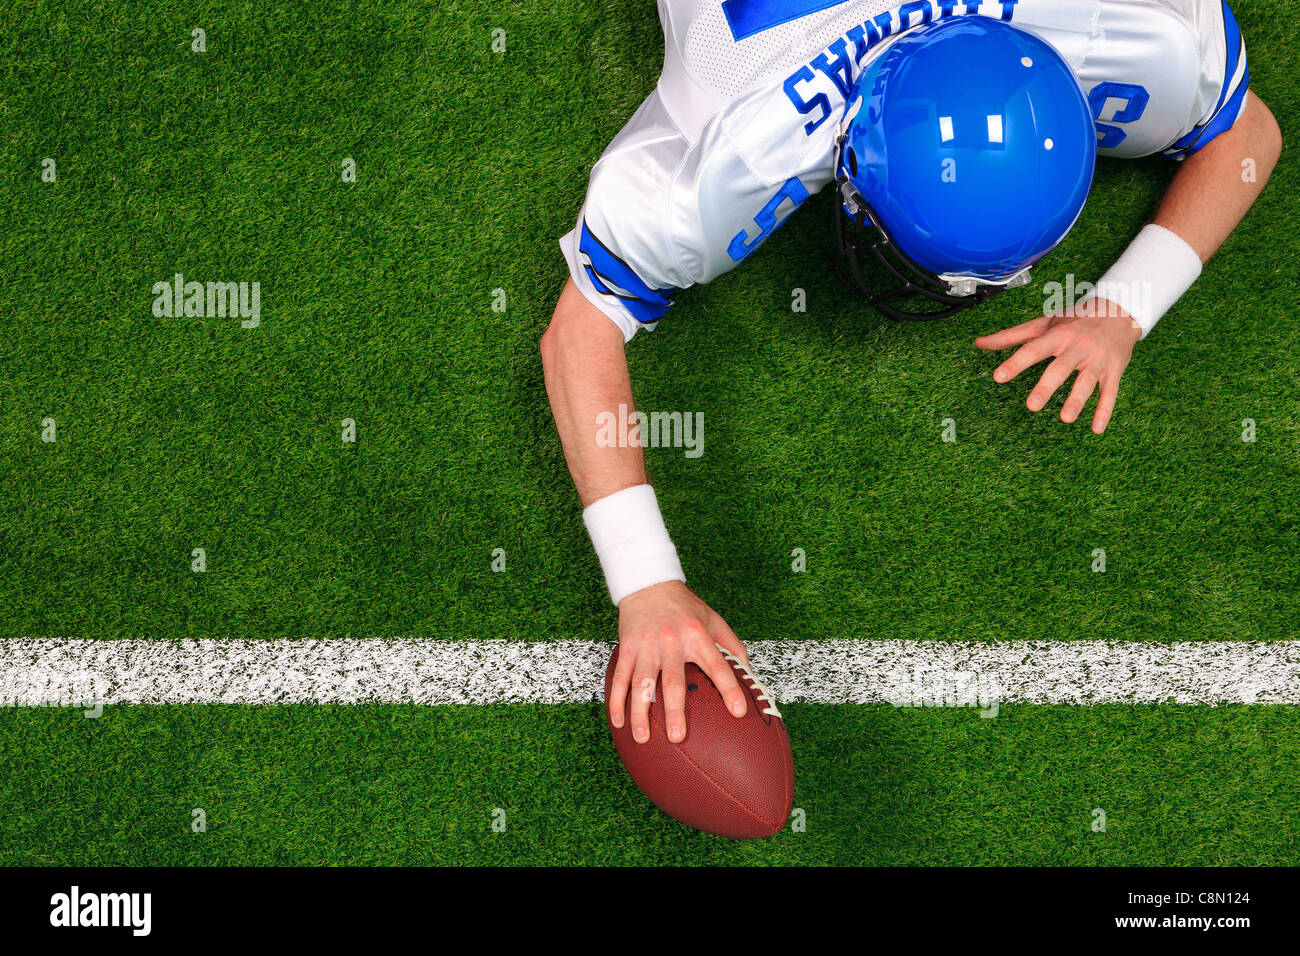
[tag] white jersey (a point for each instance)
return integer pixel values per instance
(740, 128)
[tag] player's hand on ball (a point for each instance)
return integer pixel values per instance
(1094, 339)
(660, 629)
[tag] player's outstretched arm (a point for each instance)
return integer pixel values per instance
(661, 623)
(1216, 187)
(1209, 196)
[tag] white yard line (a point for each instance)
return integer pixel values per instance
(61, 672)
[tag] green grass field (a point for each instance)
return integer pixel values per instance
(823, 433)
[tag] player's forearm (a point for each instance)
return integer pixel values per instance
(586, 372)
(1216, 187)
(587, 377)
(1211, 194)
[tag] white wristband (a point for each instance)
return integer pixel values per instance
(631, 541)
(1152, 274)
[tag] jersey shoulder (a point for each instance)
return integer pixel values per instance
(1162, 76)
(1223, 78)
(620, 252)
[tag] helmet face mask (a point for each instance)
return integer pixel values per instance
(858, 230)
(949, 186)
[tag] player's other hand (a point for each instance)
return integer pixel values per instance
(1094, 339)
(660, 628)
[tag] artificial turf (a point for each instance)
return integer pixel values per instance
(823, 432)
(877, 786)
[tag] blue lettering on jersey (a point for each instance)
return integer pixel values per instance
(917, 6)
(742, 246)
(833, 62)
(885, 24)
(838, 69)
(820, 102)
(1135, 100)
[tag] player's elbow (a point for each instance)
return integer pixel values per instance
(1272, 136)
(553, 341)
(1267, 133)
(578, 329)
(549, 344)
(560, 340)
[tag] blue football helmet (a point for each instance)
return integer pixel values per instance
(965, 155)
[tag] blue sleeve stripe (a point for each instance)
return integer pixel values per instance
(1234, 43)
(1229, 106)
(606, 286)
(1221, 123)
(614, 277)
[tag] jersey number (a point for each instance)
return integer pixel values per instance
(793, 190)
(1135, 100)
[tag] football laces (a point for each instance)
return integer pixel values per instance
(761, 693)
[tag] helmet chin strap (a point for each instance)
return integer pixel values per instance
(969, 285)
(953, 294)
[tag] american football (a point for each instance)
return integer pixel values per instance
(733, 777)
